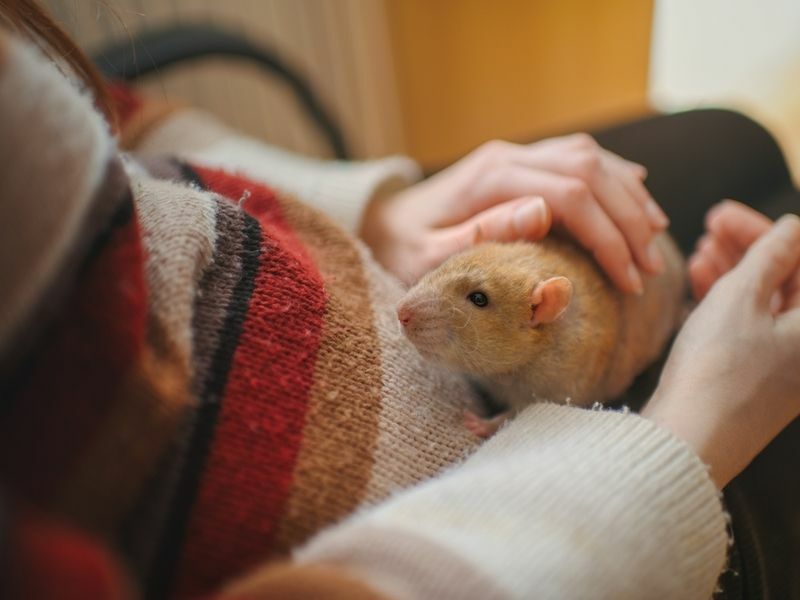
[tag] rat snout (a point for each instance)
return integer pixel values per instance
(404, 315)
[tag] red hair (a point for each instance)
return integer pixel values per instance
(28, 18)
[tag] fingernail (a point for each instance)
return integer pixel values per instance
(636, 280)
(533, 211)
(656, 214)
(654, 257)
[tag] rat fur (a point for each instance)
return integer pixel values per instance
(554, 328)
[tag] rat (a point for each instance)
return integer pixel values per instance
(539, 321)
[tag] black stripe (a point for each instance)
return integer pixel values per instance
(172, 539)
(189, 175)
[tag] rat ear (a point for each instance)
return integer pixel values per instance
(550, 299)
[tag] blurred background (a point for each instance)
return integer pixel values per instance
(433, 79)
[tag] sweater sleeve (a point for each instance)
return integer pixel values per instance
(562, 503)
(340, 189)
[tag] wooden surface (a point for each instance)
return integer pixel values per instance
(472, 70)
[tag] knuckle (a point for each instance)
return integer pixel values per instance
(493, 151)
(576, 193)
(588, 165)
(583, 140)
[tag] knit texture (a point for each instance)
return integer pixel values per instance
(492, 532)
(339, 189)
(220, 381)
(205, 373)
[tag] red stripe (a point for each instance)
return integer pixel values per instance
(248, 475)
(125, 101)
(76, 371)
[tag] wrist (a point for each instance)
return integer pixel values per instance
(693, 424)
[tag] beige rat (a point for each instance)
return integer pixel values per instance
(540, 322)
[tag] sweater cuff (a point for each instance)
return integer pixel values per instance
(563, 502)
(340, 189)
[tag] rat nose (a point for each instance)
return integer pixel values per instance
(404, 315)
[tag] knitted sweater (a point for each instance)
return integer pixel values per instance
(204, 392)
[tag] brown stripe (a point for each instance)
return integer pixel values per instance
(215, 291)
(335, 461)
(285, 581)
(141, 423)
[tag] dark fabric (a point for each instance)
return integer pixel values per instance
(694, 160)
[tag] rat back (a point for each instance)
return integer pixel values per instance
(590, 353)
(648, 321)
(605, 339)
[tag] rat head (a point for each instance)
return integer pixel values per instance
(483, 311)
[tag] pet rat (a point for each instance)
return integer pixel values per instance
(539, 321)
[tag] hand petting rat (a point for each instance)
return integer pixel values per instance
(504, 192)
(538, 321)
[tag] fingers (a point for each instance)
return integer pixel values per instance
(632, 175)
(772, 260)
(527, 218)
(709, 262)
(613, 181)
(579, 155)
(702, 275)
(736, 225)
(575, 207)
(581, 215)
(628, 215)
(732, 227)
(597, 196)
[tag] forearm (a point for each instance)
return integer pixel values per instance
(561, 503)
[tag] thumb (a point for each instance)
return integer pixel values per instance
(772, 259)
(527, 218)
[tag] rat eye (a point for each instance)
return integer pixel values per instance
(479, 299)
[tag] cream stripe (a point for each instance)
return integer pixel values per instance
(179, 235)
(53, 156)
(402, 565)
(421, 422)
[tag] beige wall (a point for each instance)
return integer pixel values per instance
(341, 45)
(431, 78)
(732, 53)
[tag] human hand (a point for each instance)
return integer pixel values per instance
(731, 227)
(495, 193)
(731, 382)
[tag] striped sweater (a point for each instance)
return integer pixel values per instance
(204, 392)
